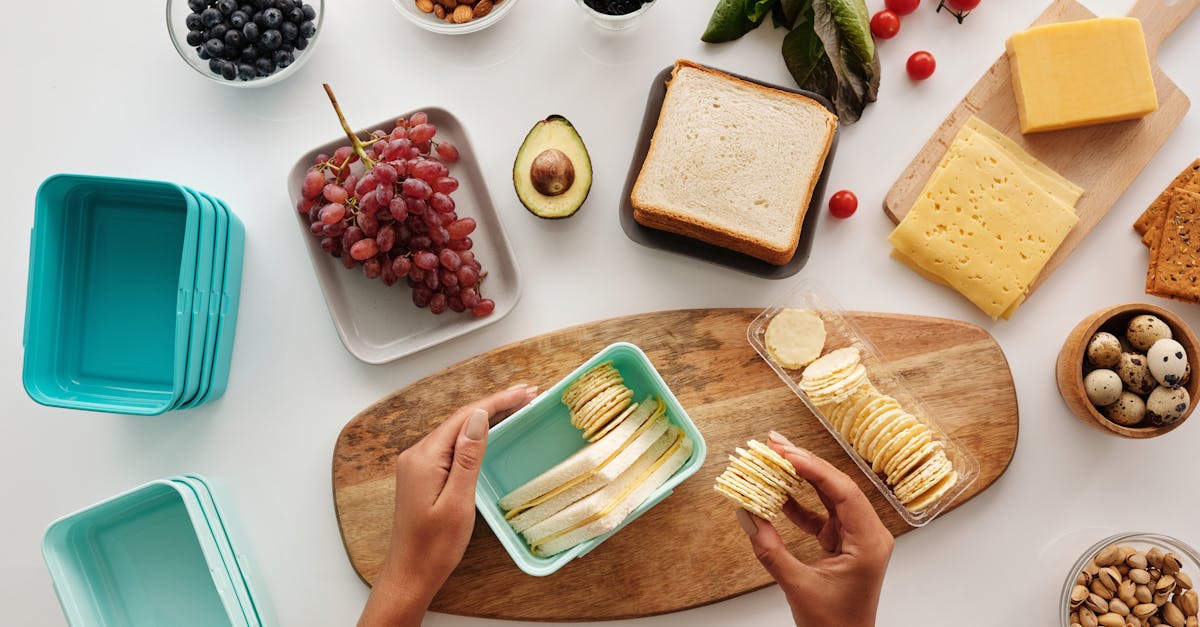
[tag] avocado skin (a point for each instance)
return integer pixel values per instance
(553, 132)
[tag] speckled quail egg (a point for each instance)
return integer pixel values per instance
(1167, 405)
(1135, 373)
(1103, 387)
(1145, 330)
(1168, 362)
(1104, 350)
(1129, 410)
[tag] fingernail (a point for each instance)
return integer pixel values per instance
(747, 523)
(531, 390)
(477, 425)
(796, 451)
(778, 438)
(516, 387)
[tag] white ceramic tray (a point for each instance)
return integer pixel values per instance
(378, 323)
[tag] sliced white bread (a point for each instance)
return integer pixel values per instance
(555, 500)
(606, 509)
(733, 163)
(582, 461)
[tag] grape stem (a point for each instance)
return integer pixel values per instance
(354, 141)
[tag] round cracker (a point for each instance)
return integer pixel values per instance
(750, 492)
(895, 442)
(925, 477)
(917, 442)
(875, 443)
(914, 461)
(856, 425)
(572, 390)
(755, 473)
(753, 508)
(843, 413)
(604, 407)
(773, 459)
(795, 337)
(784, 482)
(612, 424)
(839, 390)
(874, 425)
(594, 388)
(931, 496)
(831, 365)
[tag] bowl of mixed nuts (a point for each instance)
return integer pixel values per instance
(1127, 370)
(1133, 580)
(454, 17)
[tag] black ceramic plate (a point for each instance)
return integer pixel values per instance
(694, 248)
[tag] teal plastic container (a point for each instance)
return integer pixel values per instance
(212, 308)
(541, 435)
(228, 308)
(112, 271)
(201, 293)
(144, 557)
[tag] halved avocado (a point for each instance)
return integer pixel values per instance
(552, 172)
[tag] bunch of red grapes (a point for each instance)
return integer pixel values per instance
(392, 213)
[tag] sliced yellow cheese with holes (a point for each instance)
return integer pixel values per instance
(1074, 74)
(1054, 183)
(983, 225)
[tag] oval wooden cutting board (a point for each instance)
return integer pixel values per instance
(687, 551)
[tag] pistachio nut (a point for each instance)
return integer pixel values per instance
(1173, 616)
(1111, 620)
(1189, 602)
(1139, 576)
(1183, 580)
(1154, 556)
(1137, 560)
(1165, 584)
(1087, 618)
(1117, 606)
(1171, 564)
(1108, 556)
(1079, 594)
(1096, 603)
(1145, 610)
(1143, 594)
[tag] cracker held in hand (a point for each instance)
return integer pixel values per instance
(898, 445)
(758, 480)
(795, 337)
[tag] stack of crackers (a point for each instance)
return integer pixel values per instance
(1170, 226)
(897, 444)
(758, 480)
(598, 401)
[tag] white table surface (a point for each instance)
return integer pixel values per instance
(97, 88)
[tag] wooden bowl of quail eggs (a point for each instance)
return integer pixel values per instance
(1127, 370)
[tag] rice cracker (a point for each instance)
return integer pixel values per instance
(795, 337)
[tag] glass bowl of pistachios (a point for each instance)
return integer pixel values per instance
(1133, 580)
(454, 17)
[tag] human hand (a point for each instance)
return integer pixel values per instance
(435, 509)
(842, 586)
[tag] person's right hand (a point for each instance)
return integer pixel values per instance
(842, 586)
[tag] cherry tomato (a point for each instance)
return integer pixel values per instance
(962, 6)
(920, 65)
(843, 204)
(885, 24)
(902, 7)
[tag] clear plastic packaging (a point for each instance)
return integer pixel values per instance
(841, 332)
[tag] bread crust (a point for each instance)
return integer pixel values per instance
(667, 219)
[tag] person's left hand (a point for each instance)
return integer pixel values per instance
(435, 509)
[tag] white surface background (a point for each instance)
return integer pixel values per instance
(96, 87)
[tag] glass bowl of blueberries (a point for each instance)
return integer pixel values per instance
(615, 14)
(245, 43)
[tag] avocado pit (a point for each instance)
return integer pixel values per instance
(552, 172)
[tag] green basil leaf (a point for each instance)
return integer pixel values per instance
(756, 10)
(729, 21)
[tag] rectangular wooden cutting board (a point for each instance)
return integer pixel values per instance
(688, 550)
(1102, 159)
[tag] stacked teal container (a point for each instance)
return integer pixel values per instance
(132, 297)
(159, 554)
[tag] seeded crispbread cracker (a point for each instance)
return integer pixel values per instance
(1152, 218)
(1176, 260)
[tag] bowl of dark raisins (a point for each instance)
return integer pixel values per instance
(245, 43)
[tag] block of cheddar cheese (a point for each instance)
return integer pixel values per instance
(1080, 73)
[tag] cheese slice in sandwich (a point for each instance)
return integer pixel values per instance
(606, 509)
(532, 512)
(584, 460)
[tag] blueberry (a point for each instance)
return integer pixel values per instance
(235, 40)
(203, 53)
(192, 21)
(214, 47)
(309, 12)
(195, 38)
(214, 65)
(210, 17)
(250, 31)
(307, 30)
(257, 18)
(301, 43)
(247, 9)
(283, 5)
(272, 17)
(283, 58)
(249, 53)
(246, 71)
(270, 40)
(289, 31)
(229, 70)
(239, 19)
(264, 66)
(197, 5)
(294, 15)
(227, 6)
(217, 32)
(262, 4)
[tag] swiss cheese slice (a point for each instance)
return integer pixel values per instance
(983, 224)
(1054, 183)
